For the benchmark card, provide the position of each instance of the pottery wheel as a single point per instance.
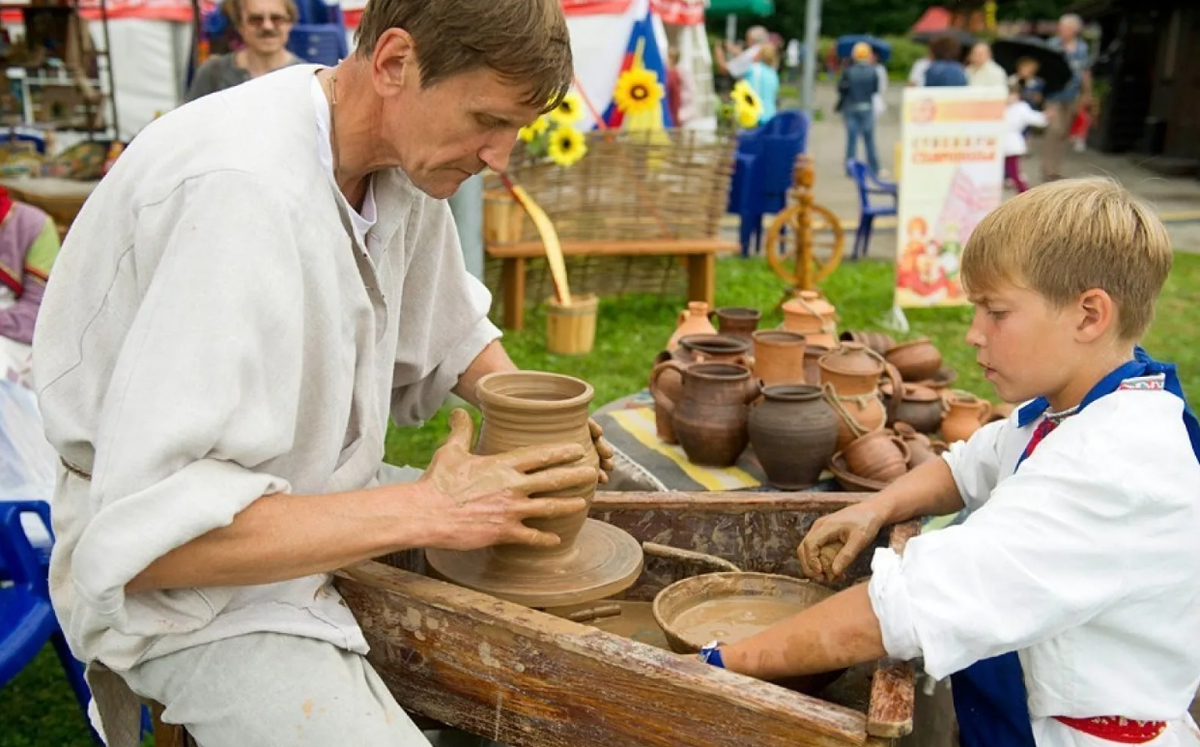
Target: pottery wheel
(604, 561)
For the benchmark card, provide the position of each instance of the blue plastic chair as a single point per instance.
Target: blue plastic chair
(26, 618)
(868, 185)
(762, 174)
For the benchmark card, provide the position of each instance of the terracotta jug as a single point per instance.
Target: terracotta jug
(921, 448)
(710, 421)
(793, 432)
(692, 321)
(812, 316)
(879, 455)
(852, 369)
(857, 414)
(964, 416)
(738, 321)
(877, 341)
(778, 357)
(708, 348)
(812, 358)
(917, 360)
(666, 388)
(920, 407)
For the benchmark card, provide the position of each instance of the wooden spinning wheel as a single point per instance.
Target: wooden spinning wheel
(804, 242)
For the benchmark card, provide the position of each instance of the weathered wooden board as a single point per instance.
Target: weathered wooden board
(528, 679)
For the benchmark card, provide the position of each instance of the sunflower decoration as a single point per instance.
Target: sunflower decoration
(566, 145)
(638, 91)
(747, 107)
(534, 130)
(569, 110)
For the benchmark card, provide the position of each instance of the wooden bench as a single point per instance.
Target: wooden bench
(700, 255)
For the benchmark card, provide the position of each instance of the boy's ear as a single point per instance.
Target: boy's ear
(1097, 314)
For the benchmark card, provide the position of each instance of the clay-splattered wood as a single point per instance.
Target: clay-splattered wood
(893, 690)
(528, 679)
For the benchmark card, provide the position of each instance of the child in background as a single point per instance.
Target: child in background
(1018, 117)
(1032, 88)
(1079, 129)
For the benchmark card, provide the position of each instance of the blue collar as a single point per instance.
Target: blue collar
(1141, 365)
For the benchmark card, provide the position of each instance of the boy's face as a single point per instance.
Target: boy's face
(1025, 345)
(1027, 69)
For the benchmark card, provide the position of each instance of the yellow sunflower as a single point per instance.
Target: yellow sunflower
(569, 111)
(747, 107)
(530, 132)
(566, 145)
(637, 91)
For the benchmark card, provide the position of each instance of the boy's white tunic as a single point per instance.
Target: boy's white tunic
(213, 334)
(1086, 561)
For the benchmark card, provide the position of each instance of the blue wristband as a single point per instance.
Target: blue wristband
(711, 654)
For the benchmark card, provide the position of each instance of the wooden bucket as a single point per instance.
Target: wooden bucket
(571, 330)
(502, 217)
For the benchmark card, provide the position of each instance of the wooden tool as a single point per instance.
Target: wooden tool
(554, 254)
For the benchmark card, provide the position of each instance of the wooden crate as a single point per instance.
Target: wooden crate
(529, 679)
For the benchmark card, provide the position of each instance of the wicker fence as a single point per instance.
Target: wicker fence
(630, 187)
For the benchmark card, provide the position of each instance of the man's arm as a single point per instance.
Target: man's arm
(491, 359)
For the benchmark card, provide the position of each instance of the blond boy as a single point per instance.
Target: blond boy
(1066, 604)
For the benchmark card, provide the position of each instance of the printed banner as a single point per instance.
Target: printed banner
(951, 175)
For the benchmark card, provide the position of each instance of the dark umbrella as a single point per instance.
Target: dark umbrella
(845, 44)
(1053, 67)
(965, 38)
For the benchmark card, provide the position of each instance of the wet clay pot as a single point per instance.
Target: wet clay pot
(921, 448)
(793, 432)
(812, 358)
(692, 321)
(738, 321)
(852, 369)
(880, 455)
(713, 349)
(813, 317)
(877, 341)
(711, 418)
(920, 407)
(916, 360)
(778, 357)
(963, 417)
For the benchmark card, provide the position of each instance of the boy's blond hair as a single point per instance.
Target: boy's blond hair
(1069, 236)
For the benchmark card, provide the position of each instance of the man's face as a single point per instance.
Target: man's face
(455, 128)
(1024, 344)
(980, 54)
(265, 25)
(1067, 29)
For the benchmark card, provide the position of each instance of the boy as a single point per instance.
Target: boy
(1066, 604)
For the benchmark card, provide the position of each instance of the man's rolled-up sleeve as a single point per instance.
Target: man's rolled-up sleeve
(205, 389)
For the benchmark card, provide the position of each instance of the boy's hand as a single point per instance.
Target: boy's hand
(836, 540)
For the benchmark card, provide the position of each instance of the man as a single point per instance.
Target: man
(264, 26)
(1062, 106)
(982, 70)
(264, 277)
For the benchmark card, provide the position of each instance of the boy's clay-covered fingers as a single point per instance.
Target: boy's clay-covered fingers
(823, 532)
(556, 478)
(533, 458)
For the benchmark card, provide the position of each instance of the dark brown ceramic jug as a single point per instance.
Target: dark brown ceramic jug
(793, 432)
(710, 420)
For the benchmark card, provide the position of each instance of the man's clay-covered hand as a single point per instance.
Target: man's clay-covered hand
(603, 450)
(478, 501)
(836, 540)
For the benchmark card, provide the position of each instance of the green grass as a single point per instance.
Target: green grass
(36, 710)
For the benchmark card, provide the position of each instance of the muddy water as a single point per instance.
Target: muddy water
(732, 619)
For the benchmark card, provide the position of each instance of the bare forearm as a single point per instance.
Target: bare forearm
(283, 536)
(839, 632)
(492, 358)
(929, 490)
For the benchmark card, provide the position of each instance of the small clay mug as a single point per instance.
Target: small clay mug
(737, 321)
(879, 455)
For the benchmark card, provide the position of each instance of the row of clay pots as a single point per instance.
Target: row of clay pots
(807, 313)
(876, 459)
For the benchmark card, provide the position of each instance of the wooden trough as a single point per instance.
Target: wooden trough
(529, 679)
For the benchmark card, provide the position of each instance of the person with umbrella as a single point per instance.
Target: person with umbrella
(1063, 105)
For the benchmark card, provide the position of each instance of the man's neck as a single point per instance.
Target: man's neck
(258, 64)
(353, 113)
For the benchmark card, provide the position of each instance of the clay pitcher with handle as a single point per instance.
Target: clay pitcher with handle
(666, 388)
(964, 416)
(692, 321)
(711, 419)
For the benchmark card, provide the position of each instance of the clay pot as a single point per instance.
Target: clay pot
(813, 317)
(850, 481)
(964, 416)
(941, 380)
(666, 388)
(880, 455)
(916, 360)
(778, 357)
(812, 359)
(857, 414)
(692, 321)
(793, 432)
(919, 406)
(852, 369)
(738, 321)
(710, 421)
(877, 341)
(713, 349)
(920, 447)
(532, 408)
